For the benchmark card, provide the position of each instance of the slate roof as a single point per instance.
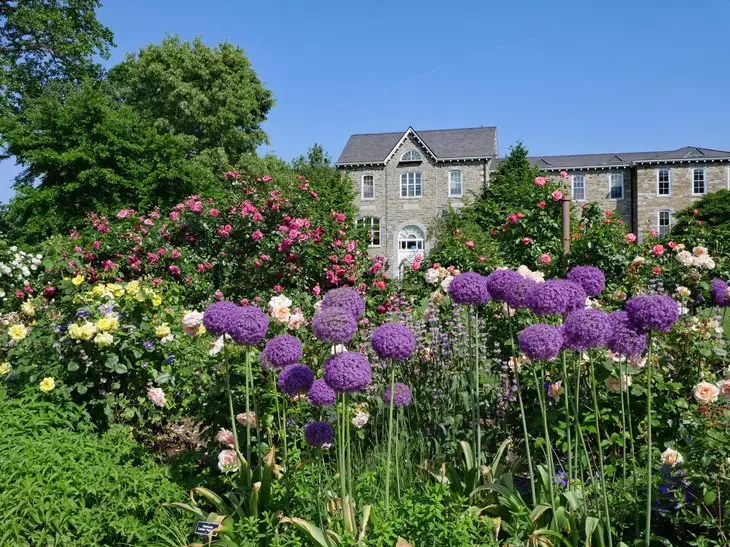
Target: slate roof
(624, 159)
(444, 144)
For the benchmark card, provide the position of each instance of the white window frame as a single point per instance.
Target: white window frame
(610, 186)
(415, 156)
(659, 221)
(692, 181)
(363, 222)
(461, 184)
(417, 184)
(669, 182)
(572, 186)
(728, 177)
(362, 187)
(419, 238)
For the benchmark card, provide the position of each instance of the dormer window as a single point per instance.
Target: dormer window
(411, 155)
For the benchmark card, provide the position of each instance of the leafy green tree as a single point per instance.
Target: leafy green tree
(85, 152)
(211, 95)
(42, 41)
(707, 221)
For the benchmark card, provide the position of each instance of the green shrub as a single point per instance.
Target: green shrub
(61, 484)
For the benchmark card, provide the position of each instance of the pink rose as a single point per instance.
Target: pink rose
(228, 461)
(469, 244)
(564, 174)
(631, 238)
(214, 212)
(156, 396)
(541, 205)
(513, 218)
(257, 235)
(658, 250)
(527, 240)
(249, 419)
(224, 436)
(557, 195)
(653, 233)
(545, 259)
(540, 181)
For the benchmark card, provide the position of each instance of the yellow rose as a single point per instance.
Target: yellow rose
(47, 384)
(201, 330)
(17, 332)
(108, 323)
(78, 280)
(683, 291)
(28, 309)
(156, 299)
(104, 339)
(5, 369)
(100, 290)
(162, 331)
(87, 331)
(116, 290)
(133, 288)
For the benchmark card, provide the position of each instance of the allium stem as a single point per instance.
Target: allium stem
(248, 409)
(633, 455)
(349, 527)
(477, 400)
(649, 462)
(600, 454)
(390, 434)
(623, 417)
(567, 420)
(397, 450)
(541, 398)
(522, 416)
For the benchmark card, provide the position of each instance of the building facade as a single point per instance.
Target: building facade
(404, 181)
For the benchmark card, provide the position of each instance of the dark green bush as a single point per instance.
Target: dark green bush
(61, 484)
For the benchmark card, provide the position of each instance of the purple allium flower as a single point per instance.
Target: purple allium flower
(590, 278)
(402, 395)
(625, 339)
(469, 288)
(393, 341)
(499, 283)
(296, 379)
(575, 296)
(548, 298)
(518, 293)
(318, 434)
(282, 350)
(540, 342)
(348, 371)
(217, 317)
(320, 394)
(653, 312)
(334, 325)
(585, 329)
(248, 325)
(345, 298)
(718, 290)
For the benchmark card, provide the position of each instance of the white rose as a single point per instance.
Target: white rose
(699, 251)
(706, 393)
(280, 301)
(446, 282)
(432, 276)
(671, 457)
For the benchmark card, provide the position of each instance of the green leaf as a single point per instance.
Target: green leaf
(72, 366)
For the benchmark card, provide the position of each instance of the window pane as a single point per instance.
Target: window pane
(367, 187)
(455, 183)
(698, 181)
(579, 187)
(617, 186)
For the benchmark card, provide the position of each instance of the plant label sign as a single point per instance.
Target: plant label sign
(203, 528)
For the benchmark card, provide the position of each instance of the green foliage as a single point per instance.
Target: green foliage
(211, 95)
(707, 221)
(42, 41)
(83, 152)
(60, 484)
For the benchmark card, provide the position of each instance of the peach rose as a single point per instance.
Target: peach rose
(724, 389)
(671, 457)
(706, 393)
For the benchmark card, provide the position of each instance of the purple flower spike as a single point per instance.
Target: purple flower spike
(625, 339)
(586, 329)
(345, 298)
(348, 371)
(320, 394)
(319, 434)
(518, 294)
(334, 325)
(718, 290)
(217, 317)
(282, 350)
(590, 278)
(393, 341)
(469, 288)
(540, 342)
(248, 326)
(296, 379)
(652, 312)
(402, 395)
(499, 282)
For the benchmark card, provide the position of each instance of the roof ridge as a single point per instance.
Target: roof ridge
(604, 154)
(421, 130)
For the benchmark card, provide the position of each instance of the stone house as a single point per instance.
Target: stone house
(404, 181)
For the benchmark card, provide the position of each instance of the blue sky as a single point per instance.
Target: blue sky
(566, 77)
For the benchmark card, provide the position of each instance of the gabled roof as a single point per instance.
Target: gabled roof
(441, 144)
(625, 159)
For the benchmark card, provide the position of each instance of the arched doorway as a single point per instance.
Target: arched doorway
(411, 243)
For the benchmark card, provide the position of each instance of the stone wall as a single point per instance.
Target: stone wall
(396, 212)
(649, 203)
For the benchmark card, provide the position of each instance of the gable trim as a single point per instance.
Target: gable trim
(409, 131)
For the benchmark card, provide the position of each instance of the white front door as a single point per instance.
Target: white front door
(411, 243)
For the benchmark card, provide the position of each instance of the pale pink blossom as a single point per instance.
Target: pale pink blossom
(557, 195)
(545, 259)
(540, 181)
(245, 419)
(225, 436)
(228, 461)
(564, 174)
(706, 393)
(631, 238)
(156, 396)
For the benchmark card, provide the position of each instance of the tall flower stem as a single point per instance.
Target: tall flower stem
(522, 416)
(390, 435)
(649, 461)
(633, 455)
(398, 427)
(600, 454)
(541, 398)
(248, 406)
(477, 400)
(623, 418)
(567, 419)
(350, 490)
(346, 516)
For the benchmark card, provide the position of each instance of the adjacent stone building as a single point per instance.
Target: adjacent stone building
(406, 180)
